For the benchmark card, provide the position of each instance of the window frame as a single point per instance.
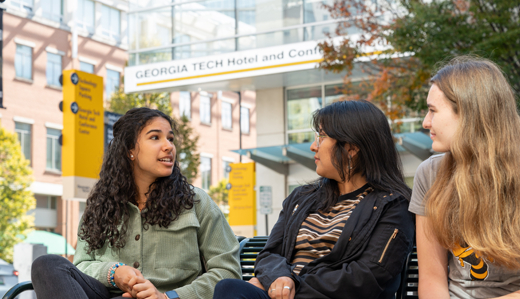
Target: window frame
(24, 137)
(24, 61)
(55, 83)
(54, 148)
(227, 117)
(83, 63)
(107, 32)
(51, 16)
(117, 86)
(81, 23)
(203, 114)
(243, 120)
(185, 104)
(203, 171)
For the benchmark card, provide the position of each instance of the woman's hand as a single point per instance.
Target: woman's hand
(282, 288)
(254, 281)
(144, 289)
(126, 277)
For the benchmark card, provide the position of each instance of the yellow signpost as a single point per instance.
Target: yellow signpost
(82, 144)
(242, 199)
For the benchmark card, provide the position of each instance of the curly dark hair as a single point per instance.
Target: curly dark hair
(106, 215)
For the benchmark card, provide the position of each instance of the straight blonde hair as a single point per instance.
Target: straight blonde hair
(475, 200)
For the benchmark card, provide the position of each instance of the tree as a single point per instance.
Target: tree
(186, 138)
(186, 144)
(402, 42)
(15, 196)
(219, 192)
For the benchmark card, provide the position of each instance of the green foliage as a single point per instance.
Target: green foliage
(414, 38)
(185, 140)
(186, 145)
(219, 192)
(438, 30)
(120, 102)
(15, 196)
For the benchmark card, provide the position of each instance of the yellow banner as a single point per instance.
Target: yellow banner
(242, 196)
(83, 133)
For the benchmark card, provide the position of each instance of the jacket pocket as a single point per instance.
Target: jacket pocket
(176, 246)
(392, 251)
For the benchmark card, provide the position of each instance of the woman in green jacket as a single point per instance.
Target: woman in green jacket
(146, 232)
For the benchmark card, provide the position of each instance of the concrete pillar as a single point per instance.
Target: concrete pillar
(270, 128)
(24, 255)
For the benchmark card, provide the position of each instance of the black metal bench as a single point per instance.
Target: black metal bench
(249, 249)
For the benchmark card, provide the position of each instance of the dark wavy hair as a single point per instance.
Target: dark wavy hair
(361, 124)
(106, 215)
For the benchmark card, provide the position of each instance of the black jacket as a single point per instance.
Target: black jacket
(367, 260)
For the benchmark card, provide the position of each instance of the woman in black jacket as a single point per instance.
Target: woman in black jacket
(348, 234)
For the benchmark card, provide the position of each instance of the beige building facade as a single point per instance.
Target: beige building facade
(38, 43)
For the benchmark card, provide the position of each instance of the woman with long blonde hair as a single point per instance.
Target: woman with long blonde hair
(467, 201)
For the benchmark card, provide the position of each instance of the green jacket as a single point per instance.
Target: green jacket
(169, 257)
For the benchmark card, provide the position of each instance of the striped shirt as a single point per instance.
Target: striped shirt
(320, 231)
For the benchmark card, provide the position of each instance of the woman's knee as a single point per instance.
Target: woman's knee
(43, 264)
(230, 289)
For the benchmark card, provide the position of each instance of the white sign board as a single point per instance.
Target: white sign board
(241, 64)
(266, 210)
(266, 196)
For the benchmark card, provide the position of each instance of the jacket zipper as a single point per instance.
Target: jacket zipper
(387, 244)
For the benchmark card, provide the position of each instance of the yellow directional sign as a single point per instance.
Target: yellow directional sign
(242, 199)
(82, 149)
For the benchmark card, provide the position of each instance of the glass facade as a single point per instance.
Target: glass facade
(170, 30)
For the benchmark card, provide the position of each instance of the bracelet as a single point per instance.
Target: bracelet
(111, 271)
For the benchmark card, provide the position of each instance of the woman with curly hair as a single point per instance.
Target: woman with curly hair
(146, 232)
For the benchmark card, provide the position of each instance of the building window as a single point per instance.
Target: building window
(301, 103)
(110, 22)
(53, 150)
(226, 167)
(205, 170)
(85, 15)
(185, 104)
(86, 67)
(205, 109)
(24, 136)
(26, 5)
(52, 9)
(23, 62)
(244, 120)
(46, 202)
(227, 119)
(53, 70)
(82, 207)
(113, 81)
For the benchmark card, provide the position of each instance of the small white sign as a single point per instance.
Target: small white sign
(266, 210)
(266, 197)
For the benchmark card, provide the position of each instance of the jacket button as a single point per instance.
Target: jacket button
(136, 265)
(375, 208)
(137, 237)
